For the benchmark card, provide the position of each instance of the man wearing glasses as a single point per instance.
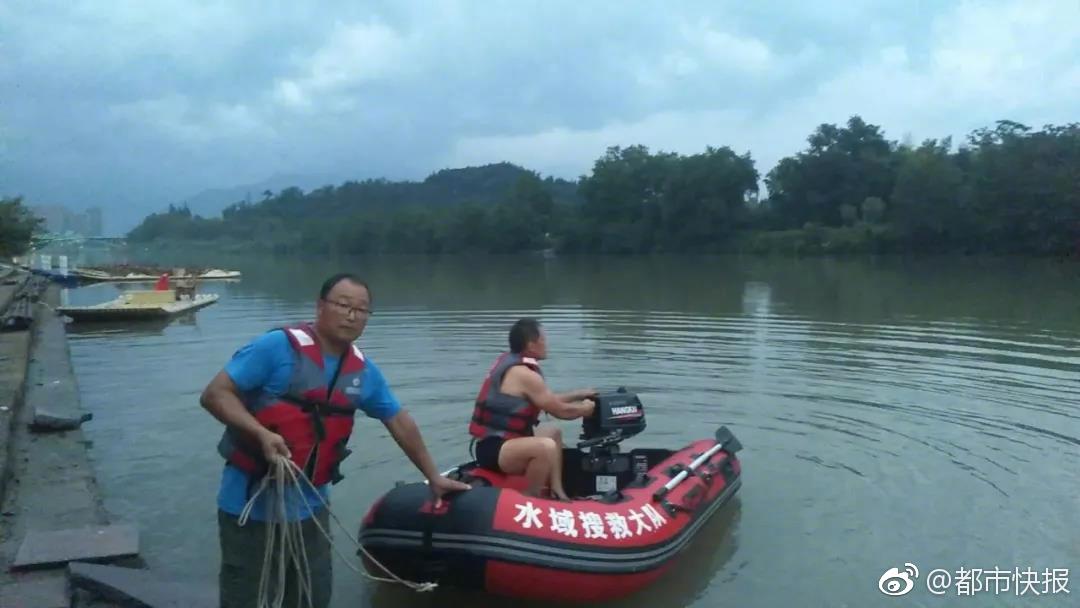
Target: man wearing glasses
(294, 392)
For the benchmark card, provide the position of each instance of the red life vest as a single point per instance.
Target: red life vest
(314, 418)
(499, 414)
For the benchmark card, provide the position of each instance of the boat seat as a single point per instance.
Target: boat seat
(496, 479)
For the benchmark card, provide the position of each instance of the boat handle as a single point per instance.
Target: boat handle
(675, 481)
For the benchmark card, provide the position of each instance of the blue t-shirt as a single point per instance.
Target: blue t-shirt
(267, 363)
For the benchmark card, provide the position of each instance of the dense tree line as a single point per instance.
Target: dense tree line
(1007, 189)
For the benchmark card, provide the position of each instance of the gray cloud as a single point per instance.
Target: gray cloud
(132, 105)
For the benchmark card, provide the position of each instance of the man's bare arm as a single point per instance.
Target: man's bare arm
(222, 399)
(538, 393)
(578, 395)
(403, 429)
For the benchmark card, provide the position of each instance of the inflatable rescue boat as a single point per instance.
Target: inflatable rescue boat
(632, 514)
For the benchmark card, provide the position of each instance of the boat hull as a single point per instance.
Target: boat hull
(498, 540)
(117, 310)
(98, 276)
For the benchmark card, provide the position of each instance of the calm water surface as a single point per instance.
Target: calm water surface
(891, 411)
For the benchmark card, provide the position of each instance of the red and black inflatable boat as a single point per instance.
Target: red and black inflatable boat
(632, 514)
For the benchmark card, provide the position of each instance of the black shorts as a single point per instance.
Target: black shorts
(487, 453)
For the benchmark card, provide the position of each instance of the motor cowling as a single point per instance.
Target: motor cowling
(619, 414)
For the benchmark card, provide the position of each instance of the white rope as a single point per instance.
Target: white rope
(290, 536)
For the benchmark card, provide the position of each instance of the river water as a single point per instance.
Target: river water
(892, 412)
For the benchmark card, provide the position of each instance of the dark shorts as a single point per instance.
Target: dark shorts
(487, 453)
(242, 554)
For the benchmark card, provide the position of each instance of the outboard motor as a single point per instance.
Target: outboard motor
(619, 415)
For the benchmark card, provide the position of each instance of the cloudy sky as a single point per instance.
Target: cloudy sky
(131, 105)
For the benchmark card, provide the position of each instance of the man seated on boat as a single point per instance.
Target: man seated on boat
(508, 407)
(294, 393)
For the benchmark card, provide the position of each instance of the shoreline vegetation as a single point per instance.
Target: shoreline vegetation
(1009, 189)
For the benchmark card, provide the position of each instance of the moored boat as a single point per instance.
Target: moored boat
(146, 274)
(139, 306)
(632, 514)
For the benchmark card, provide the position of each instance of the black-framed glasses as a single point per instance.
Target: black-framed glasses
(347, 310)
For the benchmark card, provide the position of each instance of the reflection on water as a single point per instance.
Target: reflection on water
(891, 411)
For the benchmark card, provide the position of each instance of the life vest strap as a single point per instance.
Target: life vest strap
(477, 419)
(324, 408)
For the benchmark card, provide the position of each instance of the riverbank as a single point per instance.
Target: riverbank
(861, 240)
(54, 522)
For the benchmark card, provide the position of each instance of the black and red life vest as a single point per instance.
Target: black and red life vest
(314, 418)
(499, 414)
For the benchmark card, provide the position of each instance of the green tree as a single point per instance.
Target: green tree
(1024, 189)
(17, 226)
(530, 192)
(704, 199)
(637, 202)
(927, 198)
(842, 166)
(873, 210)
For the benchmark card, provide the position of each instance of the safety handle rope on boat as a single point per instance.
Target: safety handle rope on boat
(286, 472)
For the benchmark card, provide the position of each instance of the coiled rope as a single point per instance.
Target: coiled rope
(289, 535)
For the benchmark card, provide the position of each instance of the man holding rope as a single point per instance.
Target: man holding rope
(293, 393)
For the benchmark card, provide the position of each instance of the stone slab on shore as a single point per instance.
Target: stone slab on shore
(94, 543)
(134, 587)
(46, 421)
(36, 593)
(53, 389)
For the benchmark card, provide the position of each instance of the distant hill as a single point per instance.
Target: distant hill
(335, 217)
(210, 203)
(491, 182)
(485, 185)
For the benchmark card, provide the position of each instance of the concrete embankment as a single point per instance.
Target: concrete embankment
(54, 529)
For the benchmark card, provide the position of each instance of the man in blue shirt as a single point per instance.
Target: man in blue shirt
(267, 396)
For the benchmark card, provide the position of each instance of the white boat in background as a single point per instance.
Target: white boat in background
(140, 275)
(215, 273)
